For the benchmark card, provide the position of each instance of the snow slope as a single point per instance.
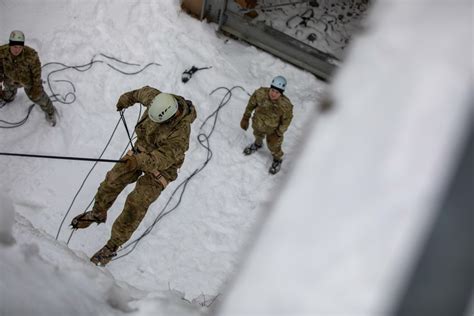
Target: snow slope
(194, 249)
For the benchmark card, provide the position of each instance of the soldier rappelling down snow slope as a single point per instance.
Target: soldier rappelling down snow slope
(162, 141)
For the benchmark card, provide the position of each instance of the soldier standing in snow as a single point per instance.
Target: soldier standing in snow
(20, 67)
(272, 116)
(162, 140)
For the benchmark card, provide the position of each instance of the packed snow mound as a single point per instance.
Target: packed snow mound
(55, 280)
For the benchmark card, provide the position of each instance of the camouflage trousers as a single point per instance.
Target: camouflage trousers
(274, 142)
(147, 190)
(10, 90)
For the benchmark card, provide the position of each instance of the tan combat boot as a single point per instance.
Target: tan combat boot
(51, 119)
(84, 220)
(103, 256)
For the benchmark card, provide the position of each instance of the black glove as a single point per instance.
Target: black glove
(130, 161)
(244, 123)
(122, 103)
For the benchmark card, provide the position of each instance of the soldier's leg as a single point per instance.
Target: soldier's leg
(257, 144)
(8, 92)
(115, 181)
(259, 136)
(274, 143)
(146, 191)
(42, 99)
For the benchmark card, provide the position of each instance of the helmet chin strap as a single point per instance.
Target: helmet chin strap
(178, 111)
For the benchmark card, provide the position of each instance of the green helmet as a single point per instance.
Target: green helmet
(162, 108)
(17, 37)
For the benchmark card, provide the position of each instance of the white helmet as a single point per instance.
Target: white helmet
(162, 108)
(279, 83)
(17, 37)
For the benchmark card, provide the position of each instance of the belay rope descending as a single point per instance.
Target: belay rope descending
(128, 132)
(70, 97)
(92, 168)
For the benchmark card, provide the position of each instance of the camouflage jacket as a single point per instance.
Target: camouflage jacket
(161, 146)
(22, 70)
(270, 116)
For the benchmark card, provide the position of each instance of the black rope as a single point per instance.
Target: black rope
(59, 157)
(120, 61)
(85, 67)
(128, 132)
(70, 97)
(204, 141)
(84, 181)
(19, 123)
(87, 176)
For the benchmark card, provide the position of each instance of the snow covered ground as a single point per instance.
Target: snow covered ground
(340, 228)
(193, 250)
(327, 25)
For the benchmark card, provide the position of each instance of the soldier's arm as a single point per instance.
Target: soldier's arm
(167, 153)
(251, 105)
(35, 68)
(285, 120)
(142, 95)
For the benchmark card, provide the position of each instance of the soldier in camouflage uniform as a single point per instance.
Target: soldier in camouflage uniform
(20, 67)
(272, 114)
(162, 140)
